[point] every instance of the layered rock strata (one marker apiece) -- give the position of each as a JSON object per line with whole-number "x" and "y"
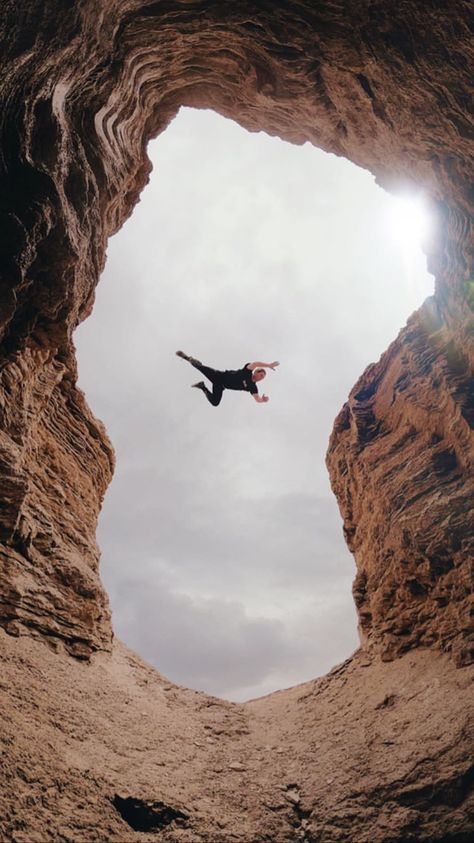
{"x": 402, "y": 468}
{"x": 82, "y": 92}
{"x": 83, "y": 87}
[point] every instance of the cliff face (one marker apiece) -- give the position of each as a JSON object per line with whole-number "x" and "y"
{"x": 56, "y": 463}
{"x": 401, "y": 465}
{"x": 82, "y": 92}
{"x": 84, "y": 86}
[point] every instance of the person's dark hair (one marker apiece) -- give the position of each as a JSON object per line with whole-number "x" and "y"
{"x": 260, "y": 370}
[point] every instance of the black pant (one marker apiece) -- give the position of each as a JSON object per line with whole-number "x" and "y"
{"x": 215, "y": 377}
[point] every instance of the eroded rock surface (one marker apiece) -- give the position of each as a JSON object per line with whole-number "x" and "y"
{"x": 82, "y": 92}
{"x": 373, "y": 751}
{"x": 83, "y": 87}
{"x": 402, "y": 468}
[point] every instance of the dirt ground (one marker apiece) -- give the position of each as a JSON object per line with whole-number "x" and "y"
{"x": 373, "y": 751}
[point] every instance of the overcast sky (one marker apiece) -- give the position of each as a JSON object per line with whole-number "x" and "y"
{"x": 222, "y": 546}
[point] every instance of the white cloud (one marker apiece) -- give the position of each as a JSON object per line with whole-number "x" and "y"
{"x": 222, "y": 545}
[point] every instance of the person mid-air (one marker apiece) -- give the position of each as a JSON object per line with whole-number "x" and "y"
{"x": 245, "y": 378}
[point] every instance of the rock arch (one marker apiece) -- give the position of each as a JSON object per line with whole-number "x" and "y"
{"x": 84, "y": 86}
{"x": 83, "y": 93}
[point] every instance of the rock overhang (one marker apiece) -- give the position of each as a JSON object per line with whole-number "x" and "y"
{"x": 380, "y": 746}
{"x": 83, "y": 93}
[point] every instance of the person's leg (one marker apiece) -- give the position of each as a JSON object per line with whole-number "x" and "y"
{"x": 211, "y": 374}
{"x": 213, "y": 397}
{"x": 206, "y": 370}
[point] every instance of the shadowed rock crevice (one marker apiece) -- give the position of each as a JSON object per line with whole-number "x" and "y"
{"x": 147, "y": 816}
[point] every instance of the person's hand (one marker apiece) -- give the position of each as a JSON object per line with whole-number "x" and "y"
{"x": 265, "y": 398}
{"x": 274, "y": 364}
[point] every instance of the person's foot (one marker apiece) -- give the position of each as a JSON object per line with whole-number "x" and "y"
{"x": 199, "y": 385}
{"x": 188, "y": 357}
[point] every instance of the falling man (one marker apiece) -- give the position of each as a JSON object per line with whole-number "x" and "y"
{"x": 245, "y": 379}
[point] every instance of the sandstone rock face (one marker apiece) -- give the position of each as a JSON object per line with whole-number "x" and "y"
{"x": 401, "y": 463}
{"x": 82, "y": 93}
{"x": 56, "y": 463}
{"x": 83, "y": 87}
{"x": 109, "y": 750}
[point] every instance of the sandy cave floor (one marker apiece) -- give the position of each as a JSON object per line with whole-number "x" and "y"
{"x": 358, "y": 749}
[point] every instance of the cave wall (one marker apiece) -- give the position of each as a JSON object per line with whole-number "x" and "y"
{"x": 84, "y": 87}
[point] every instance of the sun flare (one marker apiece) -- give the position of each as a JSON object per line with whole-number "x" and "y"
{"x": 409, "y": 220}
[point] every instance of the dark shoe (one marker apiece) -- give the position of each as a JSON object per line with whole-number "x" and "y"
{"x": 183, "y": 355}
{"x": 200, "y": 385}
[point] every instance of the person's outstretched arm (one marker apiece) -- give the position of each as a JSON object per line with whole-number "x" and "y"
{"x": 261, "y": 399}
{"x": 260, "y": 365}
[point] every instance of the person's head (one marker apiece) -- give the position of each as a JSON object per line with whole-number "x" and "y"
{"x": 258, "y": 374}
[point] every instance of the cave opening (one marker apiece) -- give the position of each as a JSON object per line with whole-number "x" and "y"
{"x": 220, "y": 536}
